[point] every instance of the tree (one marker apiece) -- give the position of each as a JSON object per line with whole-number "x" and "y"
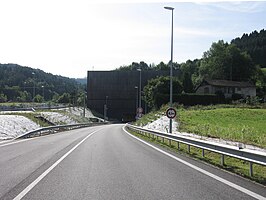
{"x": 134, "y": 66}
{"x": 162, "y": 66}
{"x": 190, "y": 70}
{"x": 224, "y": 61}
{"x": 15, "y": 79}
{"x": 158, "y": 89}
{"x": 187, "y": 83}
{"x": 3, "y": 98}
{"x": 38, "y": 98}
{"x": 255, "y": 45}
{"x": 65, "y": 98}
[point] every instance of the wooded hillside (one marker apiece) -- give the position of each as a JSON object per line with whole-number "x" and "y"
{"x": 255, "y": 45}
{"x": 18, "y": 83}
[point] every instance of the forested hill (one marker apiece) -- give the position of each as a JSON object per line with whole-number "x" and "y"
{"x": 18, "y": 81}
{"x": 255, "y": 44}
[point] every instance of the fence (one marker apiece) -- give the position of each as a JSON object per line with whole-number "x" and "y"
{"x": 54, "y": 129}
{"x": 233, "y": 151}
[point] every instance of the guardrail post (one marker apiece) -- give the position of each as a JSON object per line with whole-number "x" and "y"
{"x": 163, "y": 139}
{"x": 250, "y": 169}
{"x": 188, "y": 148}
{"x": 222, "y": 159}
{"x": 219, "y": 149}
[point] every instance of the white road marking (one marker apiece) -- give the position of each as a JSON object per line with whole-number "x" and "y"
{"x": 237, "y": 187}
{"x": 15, "y": 142}
{"x": 35, "y": 182}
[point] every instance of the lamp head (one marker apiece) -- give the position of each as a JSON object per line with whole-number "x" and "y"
{"x": 169, "y": 8}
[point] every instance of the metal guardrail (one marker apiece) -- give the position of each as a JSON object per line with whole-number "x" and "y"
{"x": 232, "y": 151}
{"x": 54, "y": 129}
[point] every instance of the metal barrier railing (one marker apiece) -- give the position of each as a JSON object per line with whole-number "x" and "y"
{"x": 53, "y": 129}
{"x": 233, "y": 151}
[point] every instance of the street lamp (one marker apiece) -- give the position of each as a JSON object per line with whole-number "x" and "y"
{"x": 171, "y": 67}
{"x": 139, "y": 87}
{"x": 33, "y": 93}
{"x": 43, "y": 92}
{"x": 105, "y": 108}
{"x": 84, "y": 103}
{"x": 137, "y": 92}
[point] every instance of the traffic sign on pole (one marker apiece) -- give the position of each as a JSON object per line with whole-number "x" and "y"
{"x": 171, "y": 113}
{"x": 139, "y": 110}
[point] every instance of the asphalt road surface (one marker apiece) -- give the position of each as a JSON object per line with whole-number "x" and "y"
{"x": 105, "y": 162}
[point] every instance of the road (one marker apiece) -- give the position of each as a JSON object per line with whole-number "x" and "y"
{"x": 105, "y": 162}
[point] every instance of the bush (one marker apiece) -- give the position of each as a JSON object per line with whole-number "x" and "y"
{"x": 189, "y": 99}
{"x": 197, "y": 99}
{"x": 236, "y": 96}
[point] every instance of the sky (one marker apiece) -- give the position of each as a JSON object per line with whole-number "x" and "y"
{"x": 71, "y": 37}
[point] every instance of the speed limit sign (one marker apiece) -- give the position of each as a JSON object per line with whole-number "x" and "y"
{"x": 171, "y": 113}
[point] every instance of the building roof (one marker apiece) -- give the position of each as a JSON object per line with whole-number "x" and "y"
{"x": 226, "y": 83}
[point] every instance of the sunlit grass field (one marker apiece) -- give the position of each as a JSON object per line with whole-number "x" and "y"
{"x": 237, "y": 124}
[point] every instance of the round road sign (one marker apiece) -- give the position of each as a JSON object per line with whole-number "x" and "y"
{"x": 171, "y": 113}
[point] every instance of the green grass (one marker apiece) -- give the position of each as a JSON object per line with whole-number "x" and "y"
{"x": 234, "y": 165}
{"x": 236, "y": 124}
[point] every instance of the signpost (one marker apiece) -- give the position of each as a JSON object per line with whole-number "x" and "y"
{"x": 171, "y": 113}
{"x": 139, "y": 113}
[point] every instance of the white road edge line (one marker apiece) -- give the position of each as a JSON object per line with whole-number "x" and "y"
{"x": 18, "y": 141}
{"x": 237, "y": 187}
{"x": 35, "y": 182}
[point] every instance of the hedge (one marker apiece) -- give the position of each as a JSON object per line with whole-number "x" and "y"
{"x": 189, "y": 99}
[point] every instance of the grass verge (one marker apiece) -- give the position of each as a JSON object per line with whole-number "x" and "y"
{"x": 236, "y": 124}
{"x": 234, "y": 165}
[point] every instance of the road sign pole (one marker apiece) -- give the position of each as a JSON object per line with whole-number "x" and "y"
{"x": 171, "y": 113}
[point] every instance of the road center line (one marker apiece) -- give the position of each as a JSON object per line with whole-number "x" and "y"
{"x": 35, "y": 182}
{"x": 237, "y": 187}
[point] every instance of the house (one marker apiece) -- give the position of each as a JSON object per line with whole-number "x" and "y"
{"x": 228, "y": 88}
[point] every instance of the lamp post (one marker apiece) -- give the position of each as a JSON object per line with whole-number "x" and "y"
{"x": 33, "y": 93}
{"x": 84, "y": 104}
{"x": 139, "y": 88}
{"x": 43, "y": 92}
{"x": 137, "y": 92}
{"x": 106, "y": 107}
{"x": 171, "y": 67}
